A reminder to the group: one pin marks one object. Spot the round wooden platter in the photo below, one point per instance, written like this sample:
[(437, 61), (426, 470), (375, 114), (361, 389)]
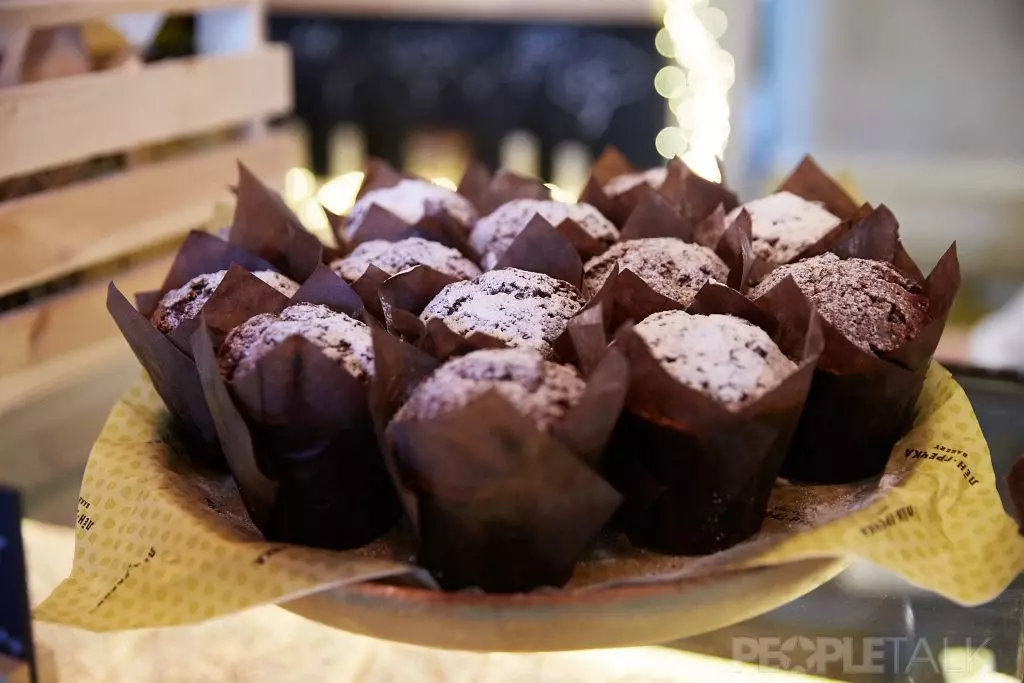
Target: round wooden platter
[(544, 622)]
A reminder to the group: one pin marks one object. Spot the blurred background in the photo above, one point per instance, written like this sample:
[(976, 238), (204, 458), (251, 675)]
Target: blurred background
[(913, 103)]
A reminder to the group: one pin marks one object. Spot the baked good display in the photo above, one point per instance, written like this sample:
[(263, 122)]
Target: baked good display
[(513, 411), (340, 338), (540, 389), (516, 307), (394, 257), (494, 233), (709, 389), (783, 225), (620, 184), (882, 321), (671, 267), (410, 200), (185, 302), (870, 302), (726, 357)]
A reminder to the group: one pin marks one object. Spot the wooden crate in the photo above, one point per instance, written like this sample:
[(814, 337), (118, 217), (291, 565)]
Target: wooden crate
[(124, 225)]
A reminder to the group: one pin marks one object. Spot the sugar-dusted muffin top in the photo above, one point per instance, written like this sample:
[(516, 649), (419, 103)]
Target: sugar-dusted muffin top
[(394, 257), (621, 184), (670, 266), (784, 224), (542, 390), (725, 357), (410, 200), (343, 339), (185, 302), (874, 305), (519, 307), (494, 233)]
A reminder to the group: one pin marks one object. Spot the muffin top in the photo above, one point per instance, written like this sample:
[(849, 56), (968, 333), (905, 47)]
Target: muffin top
[(725, 357), (670, 266), (343, 339), (519, 307), (394, 257), (621, 184), (494, 233), (410, 200), (871, 303), (784, 224), (542, 390), (185, 302)]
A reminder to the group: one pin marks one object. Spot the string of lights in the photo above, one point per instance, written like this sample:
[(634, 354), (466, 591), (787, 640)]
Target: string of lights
[(696, 86)]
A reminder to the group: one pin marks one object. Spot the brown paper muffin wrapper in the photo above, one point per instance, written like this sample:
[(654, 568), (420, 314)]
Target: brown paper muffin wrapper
[(691, 195), (810, 182), (264, 225), (860, 403), (696, 475), (487, 192), (493, 502), (168, 359), (297, 433)]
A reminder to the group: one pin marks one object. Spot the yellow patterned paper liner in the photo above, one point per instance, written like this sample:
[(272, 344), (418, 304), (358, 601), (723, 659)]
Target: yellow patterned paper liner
[(156, 545)]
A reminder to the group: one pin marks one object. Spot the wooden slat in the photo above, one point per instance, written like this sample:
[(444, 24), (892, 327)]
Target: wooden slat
[(64, 120), (32, 336), (22, 13), (68, 230), (581, 11)]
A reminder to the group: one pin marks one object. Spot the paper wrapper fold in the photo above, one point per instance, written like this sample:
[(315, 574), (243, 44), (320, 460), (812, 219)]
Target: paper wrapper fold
[(691, 195), (297, 434), (860, 403), (265, 226), (696, 476), (494, 502), (487, 192)]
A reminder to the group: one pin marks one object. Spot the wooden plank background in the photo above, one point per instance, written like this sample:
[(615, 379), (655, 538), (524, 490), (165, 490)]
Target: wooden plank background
[(67, 230), (37, 13), (71, 119)]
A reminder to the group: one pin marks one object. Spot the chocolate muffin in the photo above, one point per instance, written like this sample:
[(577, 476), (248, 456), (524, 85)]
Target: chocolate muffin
[(185, 302), (783, 225), (494, 233), (394, 257), (410, 200), (542, 390), (670, 266), (871, 303), (725, 357), (621, 184), (518, 307), (343, 339)]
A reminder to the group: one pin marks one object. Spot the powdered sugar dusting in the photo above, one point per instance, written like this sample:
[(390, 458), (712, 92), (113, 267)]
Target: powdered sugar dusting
[(784, 224), (493, 234), (725, 357), (342, 339), (394, 257), (519, 307), (670, 266), (621, 184), (410, 200), (185, 302), (870, 302), (540, 389)]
